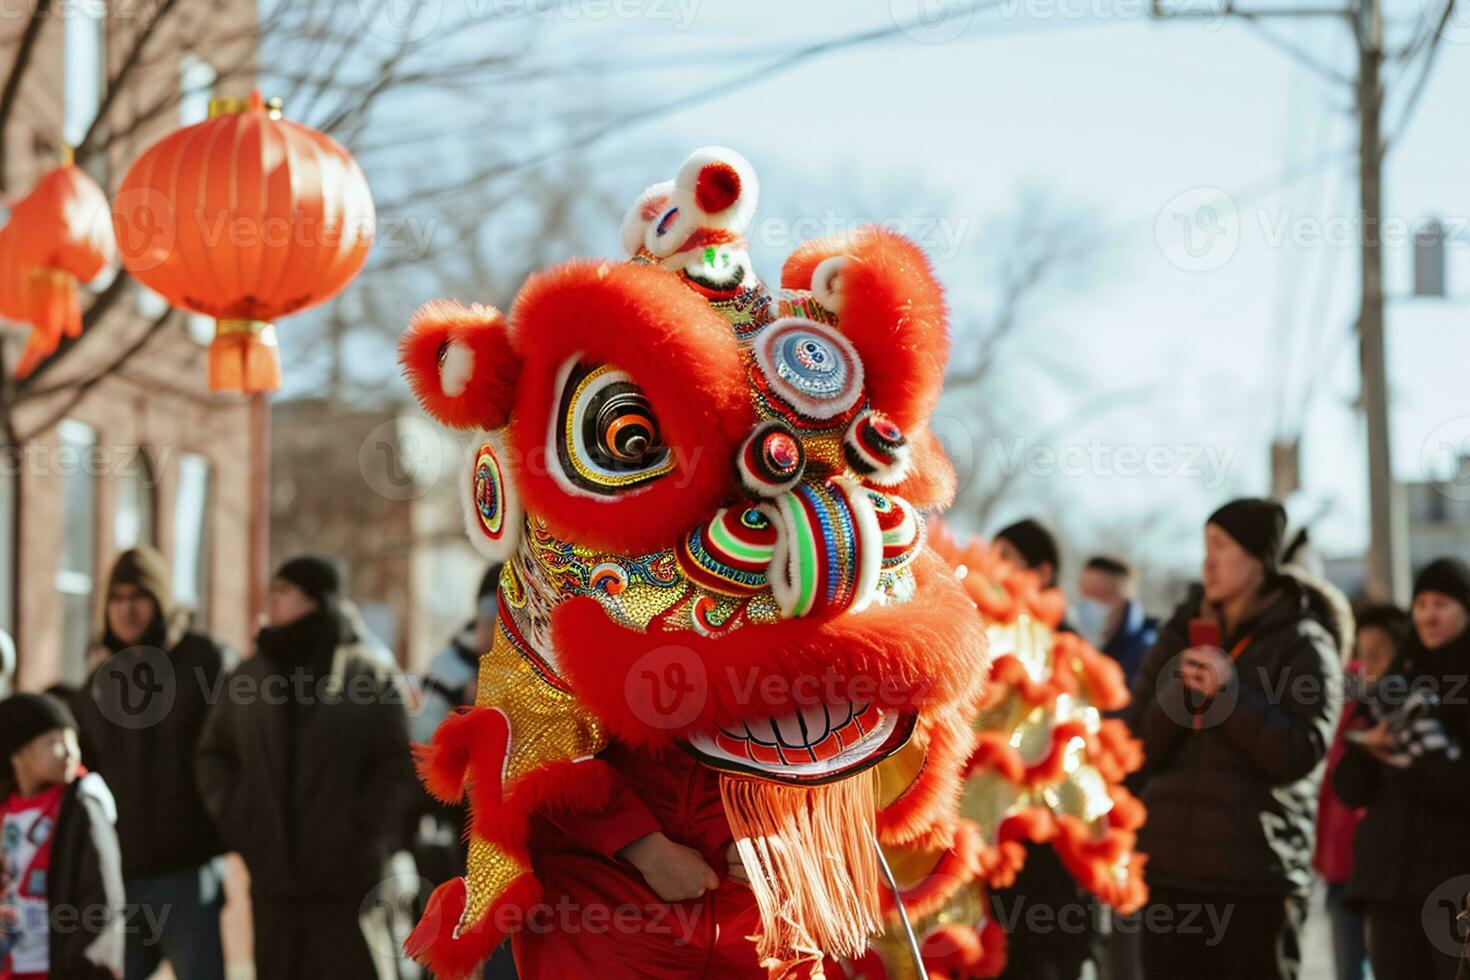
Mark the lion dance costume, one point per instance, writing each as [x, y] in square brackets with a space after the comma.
[1047, 768]
[718, 615]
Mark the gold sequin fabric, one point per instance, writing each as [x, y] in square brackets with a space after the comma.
[548, 724]
[489, 872]
[643, 593]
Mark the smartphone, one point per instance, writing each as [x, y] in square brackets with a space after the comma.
[1204, 632]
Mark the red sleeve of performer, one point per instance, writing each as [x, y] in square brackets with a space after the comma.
[608, 829]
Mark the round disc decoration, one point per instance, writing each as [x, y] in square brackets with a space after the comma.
[876, 449]
[492, 515]
[772, 460]
[811, 367]
[730, 554]
[902, 527]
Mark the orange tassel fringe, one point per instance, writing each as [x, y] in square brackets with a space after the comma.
[813, 866]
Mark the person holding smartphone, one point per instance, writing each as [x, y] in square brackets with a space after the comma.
[1236, 705]
[1411, 771]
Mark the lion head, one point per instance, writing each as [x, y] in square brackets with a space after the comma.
[709, 493]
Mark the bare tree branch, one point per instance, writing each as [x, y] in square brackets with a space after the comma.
[116, 83]
[79, 389]
[23, 52]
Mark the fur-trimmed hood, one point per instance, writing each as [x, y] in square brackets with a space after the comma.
[1327, 604]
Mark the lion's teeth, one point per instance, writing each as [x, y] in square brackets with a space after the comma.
[788, 730]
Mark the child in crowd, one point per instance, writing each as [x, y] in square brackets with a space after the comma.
[1382, 630]
[61, 892]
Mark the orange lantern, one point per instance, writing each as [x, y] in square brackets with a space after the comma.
[246, 218]
[13, 304]
[57, 238]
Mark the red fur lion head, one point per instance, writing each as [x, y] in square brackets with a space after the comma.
[709, 493]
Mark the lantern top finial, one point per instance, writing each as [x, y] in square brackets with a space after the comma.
[232, 105]
[227, 105]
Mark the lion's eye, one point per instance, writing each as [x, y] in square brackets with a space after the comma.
[626, 430]
[607, 436]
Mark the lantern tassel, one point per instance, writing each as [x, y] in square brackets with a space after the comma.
[56, 309]
[244, 357]
[36, 351]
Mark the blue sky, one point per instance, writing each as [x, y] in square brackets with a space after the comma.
[1137, 122]
[1117, 112]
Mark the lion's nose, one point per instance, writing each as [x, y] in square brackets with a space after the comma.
[828, 550]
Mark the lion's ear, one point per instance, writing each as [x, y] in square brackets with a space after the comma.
[888, 303]
[460, 365]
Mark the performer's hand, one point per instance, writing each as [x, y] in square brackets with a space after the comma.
[735, 867]
[676, 873]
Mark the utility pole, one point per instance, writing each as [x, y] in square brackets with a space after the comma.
[1388, 559]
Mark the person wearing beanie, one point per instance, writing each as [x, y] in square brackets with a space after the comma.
[1381, 631]
[141, 713]
[306, 768]
[1255, 526]
[1408, 765]
[1030, 544]
[59, 860]
[1236, 705]
[317, 578]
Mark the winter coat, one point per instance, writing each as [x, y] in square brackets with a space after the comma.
[147, 755]
[445, 683]
[1337, 822]
[1231, 792]
[84, 887]
[1415, 833]
[1131, 641]
[305, 765]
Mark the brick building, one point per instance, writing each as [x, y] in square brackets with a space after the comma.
[144, 453]
[380, 490]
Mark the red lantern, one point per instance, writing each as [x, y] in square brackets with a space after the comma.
[57, 238]
[13, 304]
[246, 218]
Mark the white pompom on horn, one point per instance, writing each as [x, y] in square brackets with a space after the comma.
[722, 186]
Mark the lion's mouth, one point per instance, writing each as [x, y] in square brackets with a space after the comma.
[814, 744]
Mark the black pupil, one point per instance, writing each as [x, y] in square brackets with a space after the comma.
[625, 431]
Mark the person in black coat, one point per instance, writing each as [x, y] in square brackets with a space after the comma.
[141, 713]
[1236, 707]
[1411, 771]
[305, 765]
